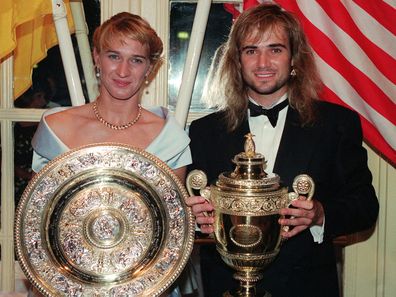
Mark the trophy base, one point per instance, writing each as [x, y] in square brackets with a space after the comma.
[238, 293]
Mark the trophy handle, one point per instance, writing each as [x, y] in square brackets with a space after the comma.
[197, 180]
[303, 184]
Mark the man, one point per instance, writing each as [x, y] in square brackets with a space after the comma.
[268, 62]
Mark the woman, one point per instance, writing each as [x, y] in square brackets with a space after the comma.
[127, 55]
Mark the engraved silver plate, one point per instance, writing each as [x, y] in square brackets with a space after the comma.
[104, 220]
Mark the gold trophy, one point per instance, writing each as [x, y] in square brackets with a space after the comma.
[247, 203]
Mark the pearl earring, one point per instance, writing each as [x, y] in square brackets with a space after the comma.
[146, 82]
[293, 72]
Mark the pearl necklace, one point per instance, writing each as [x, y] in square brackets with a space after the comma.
[112, 126]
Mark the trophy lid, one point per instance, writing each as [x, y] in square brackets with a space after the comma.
[249, 171]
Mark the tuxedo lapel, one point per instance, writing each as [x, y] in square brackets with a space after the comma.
[238, 136]
[222, 145]
[233, 142]
[295, 149]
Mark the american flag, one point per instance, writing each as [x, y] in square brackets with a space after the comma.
[355, 48]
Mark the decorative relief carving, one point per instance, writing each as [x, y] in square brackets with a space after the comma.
[104, 220]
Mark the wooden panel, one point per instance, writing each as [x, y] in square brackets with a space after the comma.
[370, 266]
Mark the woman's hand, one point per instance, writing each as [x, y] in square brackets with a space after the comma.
[202, 210]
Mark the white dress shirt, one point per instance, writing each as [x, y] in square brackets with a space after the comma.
[266, 137]
[267, 140]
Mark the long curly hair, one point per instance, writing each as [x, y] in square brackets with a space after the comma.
[226, 89]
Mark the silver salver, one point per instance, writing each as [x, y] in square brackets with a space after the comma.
[104, 220]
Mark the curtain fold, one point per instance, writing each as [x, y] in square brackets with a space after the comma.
[27, 31]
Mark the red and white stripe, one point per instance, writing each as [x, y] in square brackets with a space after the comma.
[355, 47]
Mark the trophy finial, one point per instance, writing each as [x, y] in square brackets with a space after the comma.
[250, 146]
[249, 164]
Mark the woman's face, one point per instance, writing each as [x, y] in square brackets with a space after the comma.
[123, 68]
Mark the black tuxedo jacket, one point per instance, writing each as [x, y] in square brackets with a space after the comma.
[331, 152]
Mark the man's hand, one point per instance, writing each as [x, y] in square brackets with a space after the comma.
[304, 215]
[202, 210]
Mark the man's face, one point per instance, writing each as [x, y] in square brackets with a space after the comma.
[266, 64]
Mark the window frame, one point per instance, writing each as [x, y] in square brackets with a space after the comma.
[160, 20]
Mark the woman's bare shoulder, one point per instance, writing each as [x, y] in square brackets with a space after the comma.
[67, 119]
[153, 122]
[154, 118]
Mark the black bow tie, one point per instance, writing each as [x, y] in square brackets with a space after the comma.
[272, 113]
